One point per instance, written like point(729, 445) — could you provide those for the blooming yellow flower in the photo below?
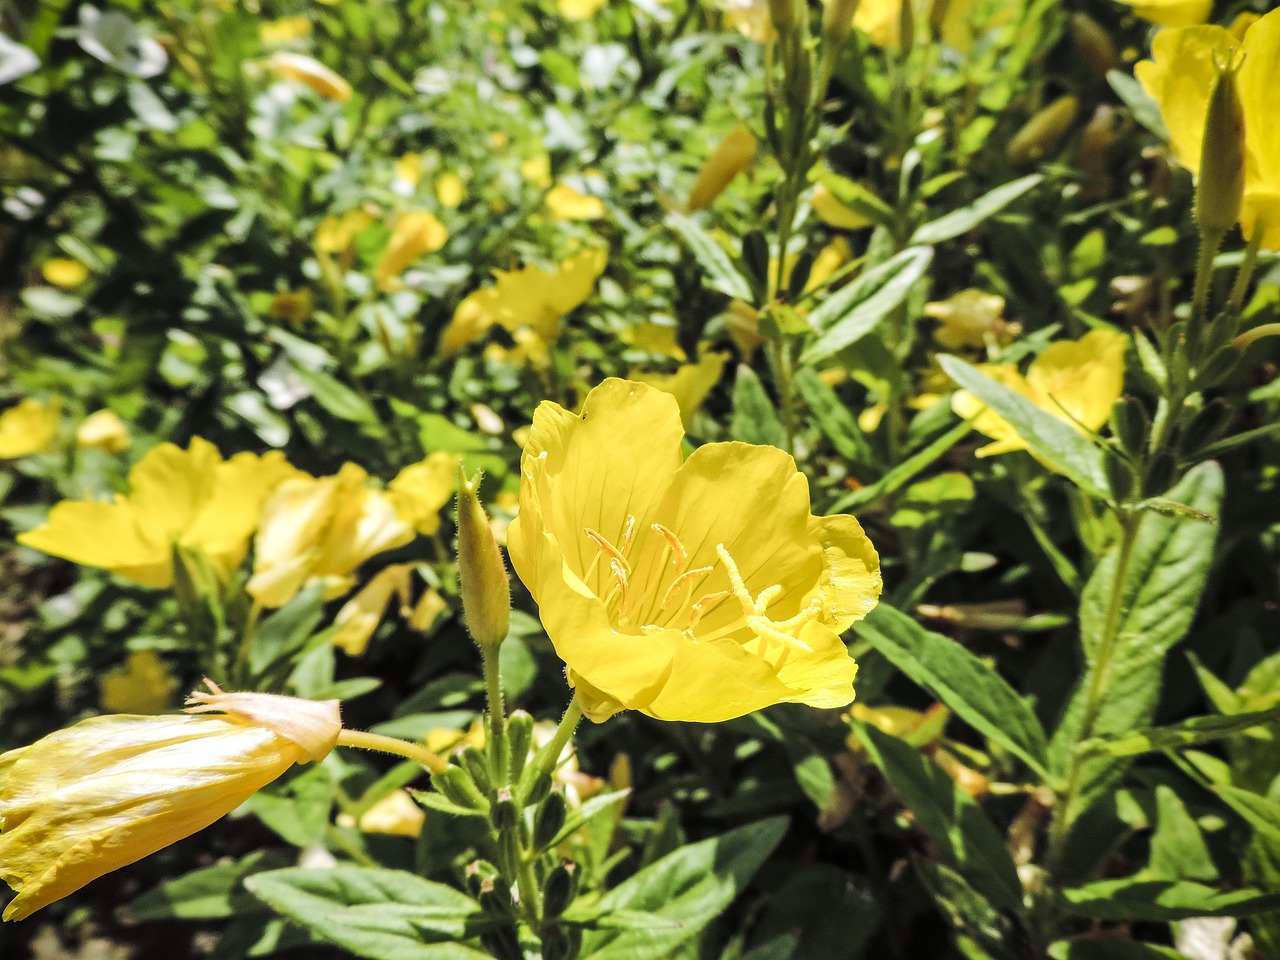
point(104, 430)
point(320, 530)
point(1171, 13)
point(690, 384)
point(750, 18)
point(27, 428)
point(537, 170)
point(1180, 77)
point(143, 685)
point(1078, 381)
point(529, 299)
point(420, 490)
point(566, 203)
point(415, 233)
point(309, 72)
point(730, 157)
point(407, 174)
point(970, 318)
point(65, 273)
point(450, 189)
point(427, 610)
point(338, 232)
point(360, 615)
point(834, 213)
point(192, 498)
point(579, 9)
point(108, 791)
point(275, 33)
point(698, 590)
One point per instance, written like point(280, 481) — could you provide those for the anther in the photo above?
point(700, 607)
point(619, 569)
point(680, 556)
point(628, 532)
point(679, 583)
point(615, 555)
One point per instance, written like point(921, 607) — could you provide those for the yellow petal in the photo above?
point(1080, 380)
point(690, 384)
point(104, 430)
point(579, 9)
point(880, 20)
point(226, 520)
point(27, 428)
point(293, 519)
point(396, 814)
point(364, 525)
point(143, 685)
point(284, 30)
point(750, 18)
point(1171, 13)
point(105, 535)
point(985, 420)
point(834, 213)
point(360, 615)
point(427, 610)
point(420, 491)
point(415, 233)
point(566, 203)
point(730, 157)
point(309, 72)
point(337, 233)
point(65, 273)
point(450, 190)
point(1257, 83)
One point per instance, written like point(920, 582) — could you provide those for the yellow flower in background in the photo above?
point(566, 203)
point(311, 73)
point(834, 213)
point(27, 427)
point(64, 273)
point(320, 530)
point(143, 685)
point(396, 814)
point(337, 232)
point(530, 299)
point(109, 791)
point(1171, 13)
point(698, 590)
point(190, 498)
point(579, 9)
point(450, 190)
point(421, 490)
point(360, 615)
point(1078, 381)
point(690, 384)
point(971, 319)
point(750, 18)
point(104, 430)
point(730, 157)
point(415, 233)
point(537, 170)
point(407, 174)
point(284, 30)
point(430, 606)
point(1180, 78)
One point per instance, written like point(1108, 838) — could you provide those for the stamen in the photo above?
point(735, 580)
point(619, 569)
point(628, 532)
point(680, 555)
point(615, 555)
point(700, 607)
point(680, 582)
point(810, 612)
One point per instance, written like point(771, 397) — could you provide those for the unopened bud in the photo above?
point(1220, 187)
point(782, 13)
point(519, 738)
point(486, 590)
point(1131, 424)
point(907, 26)
point(548, 820)
point(837, 19)
point(728, 159)
point(560, 889)
point(1041, 134)
point(1094, 44)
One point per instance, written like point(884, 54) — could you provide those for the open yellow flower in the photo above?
point(109, 791)
point(143, 685)
point(971, 318)
point(192, 498)
point(104, 430)
point(420, 490)
point(415, 233)
point(1171, 13)
point(27, 428)
point(698, 590)
point(360, 615)
point(1077, 381)
point(1180, 78)
point(566, 203)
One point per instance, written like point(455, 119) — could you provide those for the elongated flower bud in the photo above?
point(837, 19)
point(1043, 131)
point(729, 159)
point(486, 590)
point(782, 13)
point(1220, 188)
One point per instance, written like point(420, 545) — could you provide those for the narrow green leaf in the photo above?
point(1057, 442)
point(965, 683)
point(903, 473)
point(1144, 109)
point(961, 221)
point(754, 418)
point(853, 311)
point(834, 419)
point(1163, 900)
point(721, 274)
point(589, 811)
point(336, 397)
point(965, 838)
point(820, 913)
point(210, 893)
point(1178, 848)
point(1188, 733)
point(1110, 950)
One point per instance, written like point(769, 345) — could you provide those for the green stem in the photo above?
point(363, 740)
point(497, 717)
point(1238, 289)
point(1209, 244)
point(568, 723)
point(246, 642)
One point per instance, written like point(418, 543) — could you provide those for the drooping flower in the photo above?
point(109, 791)
point(190, 498)
point(1078, 381)
point(104, 430)
point(360, 615)
point(311, 73)
point(698, 590)
point(1180, 77)
point(27, 427)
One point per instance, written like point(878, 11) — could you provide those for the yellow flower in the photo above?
point(970, 318)
point(408, 172)
point(699, 590)
point(143, 685)
point(108, 791)
point(285, 30)
point(321, 530)
point(27, 428)
point(192, 498)
point(529, 299)
point(104, 430)
point(1180, 77)
point(450, 190)
point(360, 615)
point(338, 232)
point(834, 213)
point(690, 384)
point(396, 814)
point(1171, 13)
point(65, 273)
point(750, 18)
point(311, 73)
point(419, 491)
point(1077, 381)
point(579, 9)
point(427, 610)
point(415, 233)
point(730, 157)
point(537, 170)
point(566, 203)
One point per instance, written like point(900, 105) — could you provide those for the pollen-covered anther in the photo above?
point(679, 555)
point(615, 555)
point(700, 607)
point(628, 532)
point(619, 570)
point(680, 582)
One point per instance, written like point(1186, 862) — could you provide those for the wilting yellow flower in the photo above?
point(108, 791)
point(566, 203)
point(320, 530)
point(1180, 77)
point(427, 610)
point(1171, 13)
point(690, 384)
point(750, 18)
point(579, 9)
point(285, 30)
point(27, 428)
point(192, 498)
point(396, 814)
point(104, 430)
point(360, 615)
point(65, 273)
point(698, 590)
point(338, 232)
point(415, 233)
point(530, 298)
point(970, 318)
point(143, 685)
point(311, 73)
point(450, 189)
point(733, 154)
point(834, 213)
point(1077, 381)
point(420, 490)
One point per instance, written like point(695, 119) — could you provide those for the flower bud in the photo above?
point(474, 763)
point(782, 13)
point(486, 591)
point(519, 738)
point(504, 814)
point(1130, 424)
point(728, 159)
point(837, 19)
point(1220, 188)
point(457, 787)
point(1041, 133)
point(560, 889)
point(548, 820)
point(1206, 426)
point(1094, 44)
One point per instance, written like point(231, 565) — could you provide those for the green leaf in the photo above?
point(834, 418)
point(1144, 109)
point(965, 838)
point(337, 398)
point(1162, 900)
point(965, 683)
point(1188, 733)
point(721, 274)
point(820, 913)
point(853, 311)
point(374, 913)
point(1057, 442)
point(589, 811)
point(966, 218)
point(287, 631)
point(210, 893)
point(691, 886)
point(1178, 848)
point(1110, 950)
point(754, 418)
point(904, 472)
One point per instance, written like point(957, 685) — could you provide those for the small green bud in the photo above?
point(1130, 424)
point(1160, 473)
point(1041, 134)
point(561, 943)
point(837, 20)
point(1220, 187)
point(540, 787)
point(560, 889)
point(495, 896)
point(456, 786)
point(503, 943)
point(504, 814)
point(1119, 475)
point(1094, 44)
point(477, 767)
point(479, 876)
point(519, 739)
point(548, 820)
point(486, 590)
point(1216, 368)
point(1206, 426)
